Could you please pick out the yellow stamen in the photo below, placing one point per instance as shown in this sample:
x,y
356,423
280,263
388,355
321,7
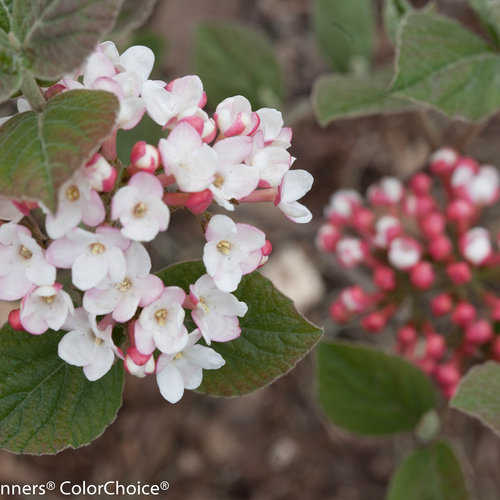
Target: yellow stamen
x,y
224,247
205,308
25,253
97,248
124,285
140,210
49,299
97,341
72,193
178,355
218,182
161,317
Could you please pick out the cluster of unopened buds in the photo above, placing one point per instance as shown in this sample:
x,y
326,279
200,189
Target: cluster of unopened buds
x,y
106,212
433,267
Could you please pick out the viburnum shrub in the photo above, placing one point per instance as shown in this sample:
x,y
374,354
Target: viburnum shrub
x,y
73,242
431,261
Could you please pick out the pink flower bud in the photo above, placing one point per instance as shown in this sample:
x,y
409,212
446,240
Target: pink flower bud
x,y
443,161
440,247
137,357
374,322
387,229
144,157
463,314
459,272
404,253
15,320
460,210
427,365
407,334
327,237
441,304
267,248
388,191
362,219
480,332
199,202
475,245
350,252
422,275
385,278
447,375
420,184
435,346
338,312
432,224
354,299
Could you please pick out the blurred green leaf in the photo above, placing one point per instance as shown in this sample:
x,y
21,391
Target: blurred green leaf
x,y
430,473
489,12
393,12
11,65
133,14
38,152
442,64
47,405
57,35
369,392
343,96
236,60
6,14
478,394
344,30
274,336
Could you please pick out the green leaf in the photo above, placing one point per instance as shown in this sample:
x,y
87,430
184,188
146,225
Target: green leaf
x,y
368,392
479,394
132,15
489,12
344,30
57,35
47,405
38,152
10,68
234,60
431,473
442,64
393,12
274,336
344,96
6,14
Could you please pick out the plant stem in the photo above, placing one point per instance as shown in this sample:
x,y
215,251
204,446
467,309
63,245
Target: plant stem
x,y
33,93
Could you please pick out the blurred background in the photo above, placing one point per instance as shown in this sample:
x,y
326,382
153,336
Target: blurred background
x,y
273,444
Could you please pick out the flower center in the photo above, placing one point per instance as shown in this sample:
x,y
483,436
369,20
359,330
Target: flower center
x,y
224,247
178,355
218,181
140,210
49,299
97,248
203,305
124,285
97,341
161,316
72,193
25,253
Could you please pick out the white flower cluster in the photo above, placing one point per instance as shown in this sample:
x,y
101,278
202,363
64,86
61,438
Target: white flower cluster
x,y
104,217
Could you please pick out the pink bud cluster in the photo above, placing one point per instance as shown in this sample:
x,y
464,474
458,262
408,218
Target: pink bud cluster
x,y
107,211
430,261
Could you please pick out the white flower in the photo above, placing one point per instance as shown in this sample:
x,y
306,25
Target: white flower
x,y
216,312
45,307
233,179
161,324
294,185
192,162
140,208
475,245
22,263
184,370
139,288
404,252
232,250
271,125
234,116
90,256
77,202
87,344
